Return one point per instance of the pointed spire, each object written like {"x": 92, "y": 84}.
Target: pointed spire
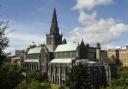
{"x": 82, "y": 43}
{"x": 54, "y": 24}
{"x": 54, "y": 18}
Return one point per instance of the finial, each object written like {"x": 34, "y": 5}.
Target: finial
{"x": 64, "y": 41}
{"x": 82, "y": 42}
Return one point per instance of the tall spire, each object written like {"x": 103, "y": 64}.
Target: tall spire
{"x": 54, "y": 18}
{"x": 82, "y": 42}
{"x": 54, "y": 24}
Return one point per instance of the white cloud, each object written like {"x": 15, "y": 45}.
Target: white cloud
{"x": 86, "y": 18}
{"x": 21, "y": 40}
{"x": 110, "y": 46}
{"x": 94, "y": 30}
{"x": 103, "y": 31}
{"x": 89, "y": 4}
{"x": 25, "y": 37}
{"x": 25, "y": 33}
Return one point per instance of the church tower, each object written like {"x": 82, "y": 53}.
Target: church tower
{"x": 54, "y": 38}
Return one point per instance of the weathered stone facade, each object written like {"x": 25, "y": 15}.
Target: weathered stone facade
{"x": 113, "y": 55}
{"x": 123, "y": 56}
{"x": 119, "y": 55}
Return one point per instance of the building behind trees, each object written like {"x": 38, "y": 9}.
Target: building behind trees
{"x": 119, "y": 56}
{"x": 55, "y": 58}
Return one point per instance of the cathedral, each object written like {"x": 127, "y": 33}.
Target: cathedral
{"x": 55, "y": 58}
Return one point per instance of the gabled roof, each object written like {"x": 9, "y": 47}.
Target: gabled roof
{"x": 34, "y": 50}
{"x": 67, "y": 60}
{"x": 31, "y": 60}
{"x": 70, "y": 46}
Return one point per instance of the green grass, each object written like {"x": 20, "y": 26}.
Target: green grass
{"x": 54, "y": 86}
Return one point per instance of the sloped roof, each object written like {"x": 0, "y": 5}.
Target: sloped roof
{"x": 67, "y": 60}
{"x": 31, "y": 60}
{"x": 34, "y": 50}
{"x": 70, "y": 46}
{"x": 15, "y": 58}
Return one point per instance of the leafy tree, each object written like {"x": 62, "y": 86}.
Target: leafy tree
{"x": 46, "y": 85}
{"x": 22, "y": 85}
{"x": 10, "y": 76}
{"x": 3, "y": 40}
{"x": 35, "y": 85}
{"x": 33, "y": 75}
{"x": 116, "y": 87}
{"x": 122, "y": 79}
{"x": 62, "y": 87}
{"x": 79, "y": 77}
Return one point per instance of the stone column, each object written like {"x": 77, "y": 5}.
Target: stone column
{"x": 54, "y": 76}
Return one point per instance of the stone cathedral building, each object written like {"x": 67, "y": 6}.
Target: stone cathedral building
{"x": 55, "y": 58}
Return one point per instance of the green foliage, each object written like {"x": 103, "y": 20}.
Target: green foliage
{"x": 33, "y": 81}
{"x": 54, "y": 86}
{"x": 22, "y": 85}
{"x": 116, "y": 87}
{"x": 10, "y": 76}
{"x": 79, "y": 77}
{"x": 3, "y": 40}
{"x": 35, "y": 85}
{"x": 62, "y": 87}
{"x": 46, "y": 85}
{"x": 33, "y": 75}
{"x": 122, "y": 79}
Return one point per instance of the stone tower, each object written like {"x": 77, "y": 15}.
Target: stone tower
{"x": 98, "y": 55}
{"x": 54, "y": 38}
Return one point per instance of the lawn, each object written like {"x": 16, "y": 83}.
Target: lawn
{"x": 54, "y": 86}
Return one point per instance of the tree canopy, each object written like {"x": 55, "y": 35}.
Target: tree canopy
{"x": 122, "y": 79}
{"x": 79, "y": 77}
{"x": 22, "y": 85}
{"x": 33, "y": 75}
{"x": 35, "y": 85}
{"x": 3, "y": 40}
{"x": 10, "y": 76}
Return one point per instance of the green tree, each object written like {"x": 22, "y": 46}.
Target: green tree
{"x": 33, "y": 75}
{"x": 3, "y": 40}
{"x": 79, "y": 77}
{"x": 122, "y": 79}
{"x": 62, "y": 87}
{"x": 35, "y": 85}
{"x": 46, "y": 85}
{"x": 10, "y": 76}
{"x": 22, "y": 85}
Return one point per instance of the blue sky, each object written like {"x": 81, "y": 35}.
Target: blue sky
{"x": 31, "y": 20}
